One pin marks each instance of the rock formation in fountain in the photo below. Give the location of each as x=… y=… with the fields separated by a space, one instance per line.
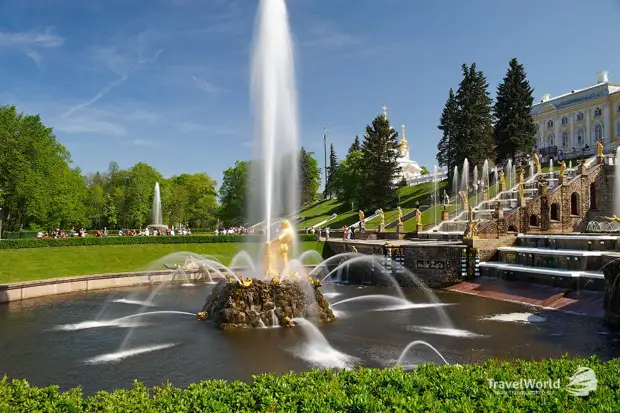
x=254 y=304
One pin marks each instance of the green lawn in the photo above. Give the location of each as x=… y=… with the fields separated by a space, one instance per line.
x=41 y=263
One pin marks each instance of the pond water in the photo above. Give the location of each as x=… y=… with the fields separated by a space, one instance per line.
x=71 y=341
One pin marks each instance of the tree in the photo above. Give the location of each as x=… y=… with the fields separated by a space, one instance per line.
x=448 y=127
x=139 y=194
x=309 y=176
x=233 y=194
x=331 y=172
x=190 y=200
x=425 y=171
x=355 y=146
x=349 y=177
x=514 y=130
x=380 y=166
x=473 y=137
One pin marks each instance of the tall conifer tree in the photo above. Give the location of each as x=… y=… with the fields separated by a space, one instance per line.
x=448 y=126
x=331 y=173
x=355 y=146
x=514 y=131
x=474 y=131
x=381 y=169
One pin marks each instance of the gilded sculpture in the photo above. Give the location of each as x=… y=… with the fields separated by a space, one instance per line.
x=464 y=199
x=502 y=178
x=537 y=162
x=562 y=168
x=400 y=215
x=418 y=216
x=599 y=148
x=381 y=217
x=281 y=245
x=362 y=216
x=612 y=218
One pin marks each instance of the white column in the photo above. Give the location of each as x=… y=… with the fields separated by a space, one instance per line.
x=586 y=127
x=606 y=124
x=558 y=138
x=572 y=141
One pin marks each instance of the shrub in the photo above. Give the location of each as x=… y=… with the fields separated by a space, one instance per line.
x=86 y=241
x=428 y=388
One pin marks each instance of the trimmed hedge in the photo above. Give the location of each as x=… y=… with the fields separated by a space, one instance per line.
x=178 y=239
x=429 y=388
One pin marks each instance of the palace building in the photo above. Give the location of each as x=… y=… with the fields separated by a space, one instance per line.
x=409 y=169
x=572 y=123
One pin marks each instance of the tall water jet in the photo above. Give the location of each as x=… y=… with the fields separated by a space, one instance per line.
x=157 y=216
x=273 y=192
x=617 y=185
x=550 y=168
x=476 y=183
x=531 y=168
x=508 y=173
x=485 y=174
x=435 y=182
x=455 y=189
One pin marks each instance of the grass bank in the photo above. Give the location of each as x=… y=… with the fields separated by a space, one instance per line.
x=29 y=264
x=429 y=388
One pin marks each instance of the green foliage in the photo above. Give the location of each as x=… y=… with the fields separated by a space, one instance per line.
x=379 y=164
x=349 y=177
x=37 y=184
x=330 y=189
x=86 y=241
x=448 y=127
x=514 y=129
x=429 y=388
x=309 y=176
x=355 y=146
x=233 y=194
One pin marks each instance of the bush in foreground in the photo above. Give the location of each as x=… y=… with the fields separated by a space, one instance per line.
x=429 y=388
x=87 y=241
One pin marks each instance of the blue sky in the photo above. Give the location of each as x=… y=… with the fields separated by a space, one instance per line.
x=166 y=81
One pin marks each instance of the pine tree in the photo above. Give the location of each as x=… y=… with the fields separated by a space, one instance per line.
x=380 y=166
x=514 y=131
x=355 y=146
x=448 y=125
x=474 y=131
x=331 y=173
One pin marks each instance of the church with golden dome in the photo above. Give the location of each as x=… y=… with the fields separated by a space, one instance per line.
x=409 y=169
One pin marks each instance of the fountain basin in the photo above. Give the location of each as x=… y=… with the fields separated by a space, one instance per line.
x=265 y=304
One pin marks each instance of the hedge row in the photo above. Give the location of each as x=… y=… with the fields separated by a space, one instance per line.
x=87 y=241
x=429 y=388
x=33 y=234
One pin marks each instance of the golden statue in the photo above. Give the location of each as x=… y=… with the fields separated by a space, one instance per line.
x=202 y=316
x=562 y=168
x=502 y=178
x=353 y=249
x=470 y=213
x=381 y=217
x=464 y=199
x=521 y=190
x=418 y=216
x=282 y=245
x=521 y=177
x=245 y=282
x=400 y=215
x=599 y=148
x=473 y=229
x=537 y=162
x=613 y=218
x=362 y=216
x=287 y=321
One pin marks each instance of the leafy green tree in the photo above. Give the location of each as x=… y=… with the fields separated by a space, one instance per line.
x=309 y=176
x=425 y=170
x=331 y=172
x=380 y=165
x=355 y=146
x=37 y=183
x=139 y=194
x=349 y=177
x=514 y=130
x=233 y=194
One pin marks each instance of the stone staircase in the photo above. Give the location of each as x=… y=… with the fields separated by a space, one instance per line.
x=572 y=262
x=406 y=217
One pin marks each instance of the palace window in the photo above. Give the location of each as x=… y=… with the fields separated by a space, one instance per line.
x=618 y=108
x=550 y=140
x=580 y=137
x=537 y=127
x=597 y=112
x=550 y=124
x=564 y=138
x=564 y=121
x=580 y=117
x=598 y=132
x=618 y=128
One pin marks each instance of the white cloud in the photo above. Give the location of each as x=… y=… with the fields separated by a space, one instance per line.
x=326 y=35
x=30 y=43
x=206 y=86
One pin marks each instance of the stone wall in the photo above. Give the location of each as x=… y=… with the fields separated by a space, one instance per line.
x=565 y=208
x=436 y=265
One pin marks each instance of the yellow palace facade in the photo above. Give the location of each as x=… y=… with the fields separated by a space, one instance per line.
x=573 y=122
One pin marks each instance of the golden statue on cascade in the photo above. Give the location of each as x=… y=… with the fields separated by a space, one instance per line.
x=599 y=148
